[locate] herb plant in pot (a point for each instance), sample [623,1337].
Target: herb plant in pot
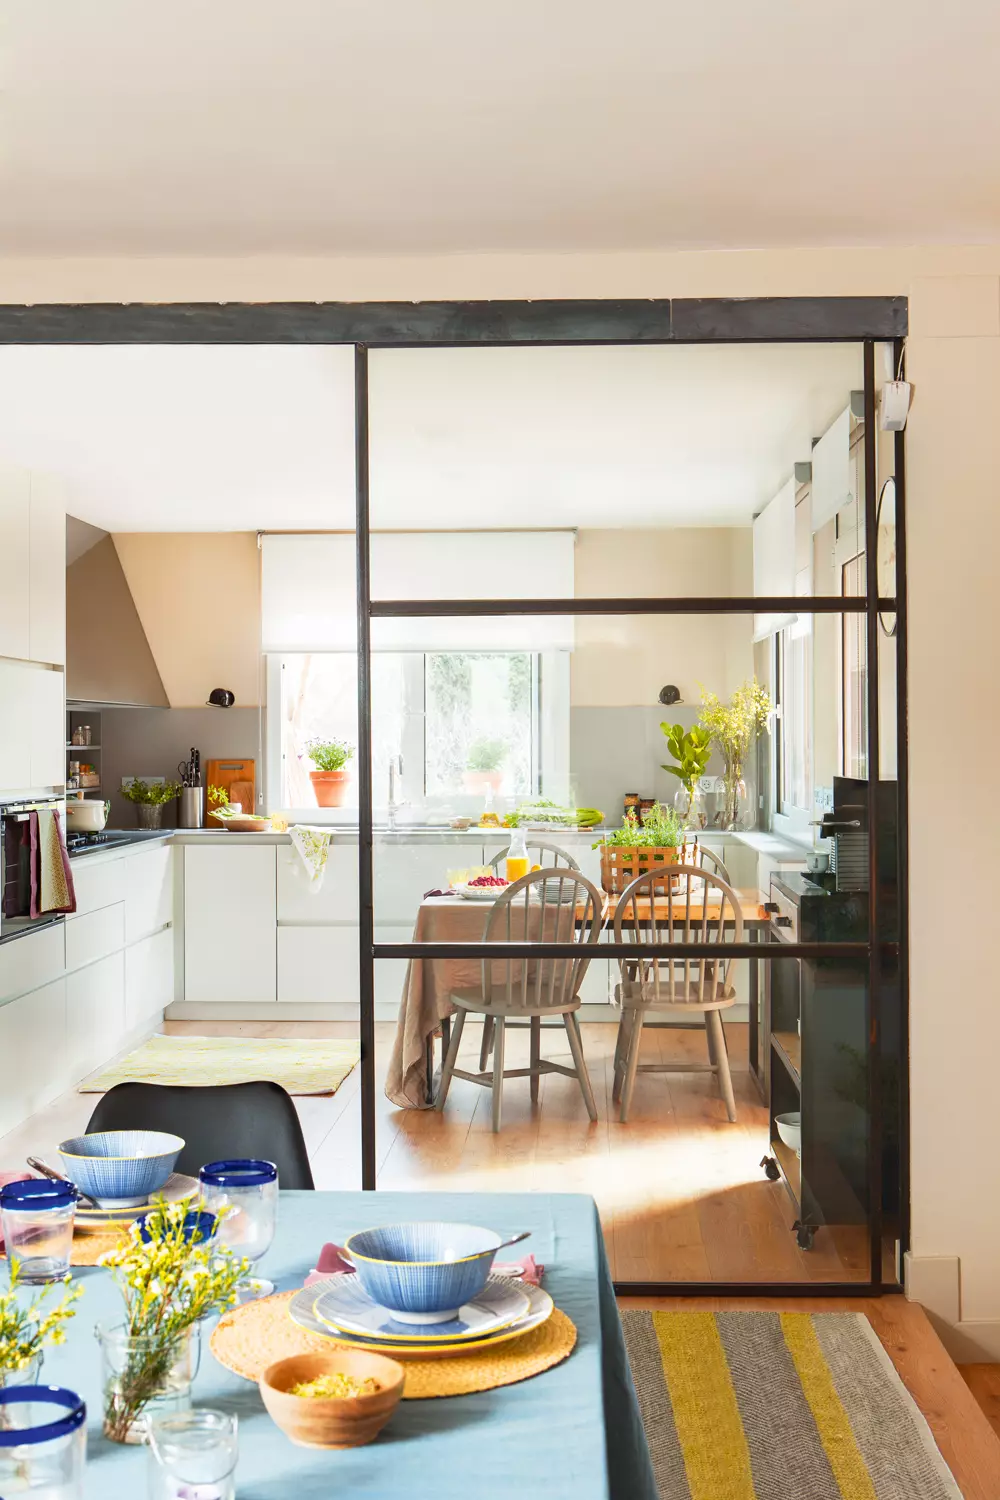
[692,751]
[657,842]
[330,778]
[149,799]
[484,765]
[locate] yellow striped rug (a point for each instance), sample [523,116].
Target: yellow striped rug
[314,1066]
[778,1406]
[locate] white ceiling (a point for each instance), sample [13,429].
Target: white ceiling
[243,438]
[335,126]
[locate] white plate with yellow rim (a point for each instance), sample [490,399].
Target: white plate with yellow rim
[177,1189]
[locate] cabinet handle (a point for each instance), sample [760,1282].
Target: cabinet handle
[771,906]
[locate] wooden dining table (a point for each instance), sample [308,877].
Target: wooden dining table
[426,1005]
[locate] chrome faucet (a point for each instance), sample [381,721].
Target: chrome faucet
[395,773]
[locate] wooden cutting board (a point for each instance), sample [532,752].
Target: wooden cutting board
[238,779]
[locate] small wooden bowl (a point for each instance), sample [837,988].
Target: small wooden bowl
[330,1421]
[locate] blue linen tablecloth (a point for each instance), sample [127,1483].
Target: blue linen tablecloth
[574,1431]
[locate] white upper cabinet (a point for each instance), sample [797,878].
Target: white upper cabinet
[46,572]
[48,727]
[15,488]
[15,726]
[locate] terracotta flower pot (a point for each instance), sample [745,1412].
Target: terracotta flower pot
[330,787]
[478,781]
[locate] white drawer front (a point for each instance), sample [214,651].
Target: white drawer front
[95,936]
[98,882]
[149,978]
[95,1015]
[318,964]
[32,1044]
[337,898]
[32,960]
[149,891]
[230,948]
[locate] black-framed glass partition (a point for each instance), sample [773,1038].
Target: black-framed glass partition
[568,520]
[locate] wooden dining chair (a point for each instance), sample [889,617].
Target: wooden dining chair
[710,861]
[555,857]
[672,986]
[557,906]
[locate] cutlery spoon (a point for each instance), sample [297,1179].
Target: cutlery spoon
[36,1163]
[515,1239]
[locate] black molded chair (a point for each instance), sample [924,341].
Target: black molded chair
[226,1120]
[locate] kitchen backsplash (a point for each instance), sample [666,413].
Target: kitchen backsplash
[152,741]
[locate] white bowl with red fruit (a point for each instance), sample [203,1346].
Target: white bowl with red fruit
[483,888]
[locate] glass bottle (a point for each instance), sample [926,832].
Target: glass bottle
[518,863]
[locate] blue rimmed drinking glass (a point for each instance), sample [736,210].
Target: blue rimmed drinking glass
[248,1191]
[37,1215]
[43,1442]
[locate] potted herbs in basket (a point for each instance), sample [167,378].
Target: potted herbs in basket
[330,778]
[149,799]
[638,847]
[27,1326]
[171,1276]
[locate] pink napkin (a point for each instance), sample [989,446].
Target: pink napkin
[331,1262]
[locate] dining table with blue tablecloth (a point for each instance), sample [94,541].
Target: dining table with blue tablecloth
[573,1431]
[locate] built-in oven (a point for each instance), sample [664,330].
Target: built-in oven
[15,865]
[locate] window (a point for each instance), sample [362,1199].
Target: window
[459,720]
[793,679]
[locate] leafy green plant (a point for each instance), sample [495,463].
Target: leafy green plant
[217,796]
[152,793]
[486,755]
[330,755]
[692,750]
[27,1326]
[661,828]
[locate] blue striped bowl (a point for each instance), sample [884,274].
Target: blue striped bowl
[121,1168]
[423,1273]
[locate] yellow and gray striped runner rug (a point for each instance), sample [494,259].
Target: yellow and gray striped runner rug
[778,1406]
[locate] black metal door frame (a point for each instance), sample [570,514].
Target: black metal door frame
[862,320]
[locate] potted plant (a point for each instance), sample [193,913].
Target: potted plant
[149,799]
[638,847]
[331,775]
[734,726]
[692,751]
[484,764]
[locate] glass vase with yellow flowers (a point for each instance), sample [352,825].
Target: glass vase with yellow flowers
[734,727]
[29,1324]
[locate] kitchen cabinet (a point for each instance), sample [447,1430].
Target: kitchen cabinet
[99,882]
[95,935]
[31,1031]
[95,1015]
[317,965]
[46,573]
[31,713]
[15,726]
[149,978]
[230,923]
[32,961]
[149,891]
[337,898]
[47,727]
[15,490]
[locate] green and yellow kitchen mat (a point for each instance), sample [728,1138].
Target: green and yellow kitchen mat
[778,1406]
[301,1067]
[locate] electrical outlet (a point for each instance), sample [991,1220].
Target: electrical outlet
[709,784]
[823,799]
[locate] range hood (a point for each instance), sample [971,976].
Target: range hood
[108,660]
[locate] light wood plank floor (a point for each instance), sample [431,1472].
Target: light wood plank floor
[958,1411]
[680,1190]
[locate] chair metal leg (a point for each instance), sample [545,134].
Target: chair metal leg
[486,1048]
[580,1062]
[497,1073]
[631,1065]
[536,1055]
[722,1060]
[621,1053]
[450,1061]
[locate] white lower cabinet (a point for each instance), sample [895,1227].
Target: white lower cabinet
[149,978]
[32,960]
[95,1014]
[317,965]
[31,1033]
[149,891]
[230,923]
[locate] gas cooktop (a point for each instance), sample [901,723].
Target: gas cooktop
[90,843]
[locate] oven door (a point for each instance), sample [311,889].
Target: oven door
[15,868]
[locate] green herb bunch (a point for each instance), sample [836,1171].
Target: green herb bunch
[661,828]
[151,792]
[26,1327]
[692,751]
[486,755]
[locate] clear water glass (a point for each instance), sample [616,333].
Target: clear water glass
[192,1456]
[245,1195]
[37,1217]
[43,1442]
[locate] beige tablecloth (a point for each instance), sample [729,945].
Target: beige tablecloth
[431,981]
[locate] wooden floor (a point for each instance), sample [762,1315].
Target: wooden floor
[958,1411]
[680,1190]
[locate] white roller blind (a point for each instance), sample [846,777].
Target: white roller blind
[308,590]
[831,471]
[774,557]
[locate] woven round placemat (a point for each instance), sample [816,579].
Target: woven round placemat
[253,1336]
[88,1248]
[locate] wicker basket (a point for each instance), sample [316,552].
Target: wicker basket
[619,866]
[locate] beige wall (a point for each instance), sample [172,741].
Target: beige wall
[623,660]
[953,451]
[199,602]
